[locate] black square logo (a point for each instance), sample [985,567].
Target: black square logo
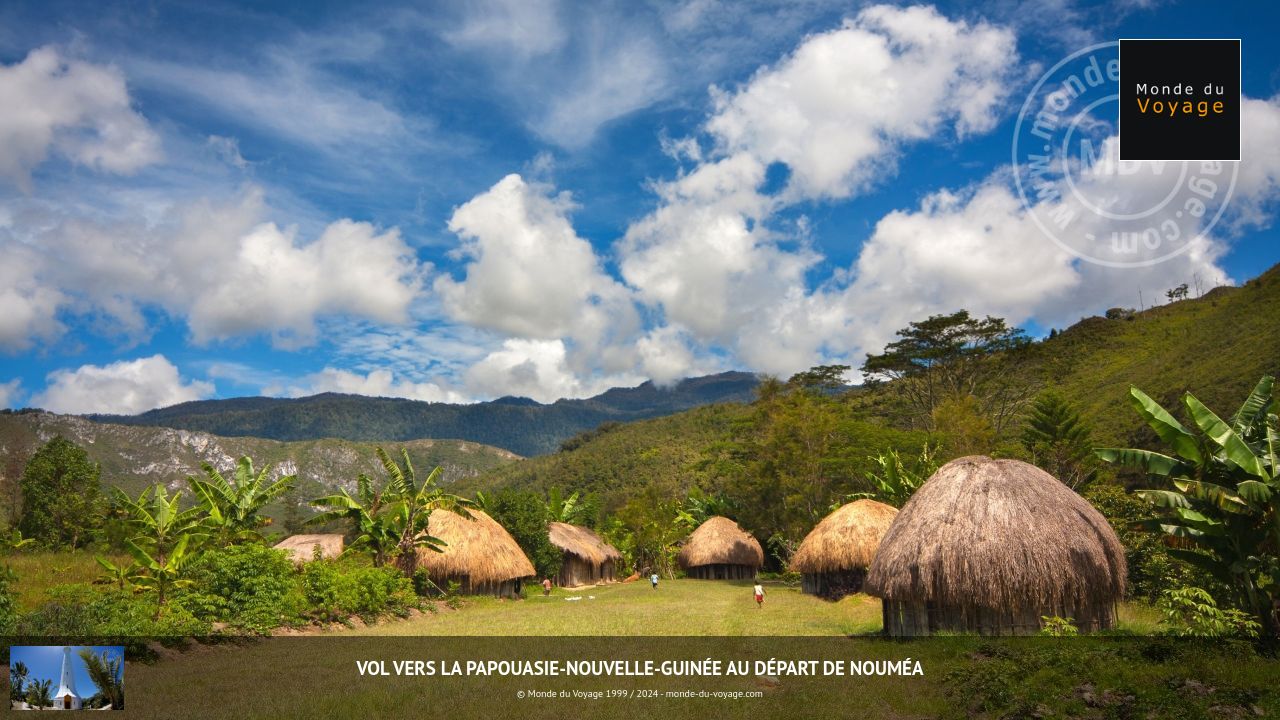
[1179,99]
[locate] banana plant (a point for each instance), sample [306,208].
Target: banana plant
[234,507]
[162,573]
[366,513]
[162,547]
[119,575]
[1223,513]
[413,507]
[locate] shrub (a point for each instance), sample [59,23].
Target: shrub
[80,610]
[336,589]
[1058,627]
[250,587]
[7,611]
[1152,572]
[1192,612]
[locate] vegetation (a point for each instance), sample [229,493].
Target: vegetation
[234,509]
[61,496]
[519,425]
[1059,441]
[525,515]
[107,673]
[1222,514]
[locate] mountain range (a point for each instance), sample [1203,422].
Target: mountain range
[518,425]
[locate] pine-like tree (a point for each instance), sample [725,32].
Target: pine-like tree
[1059,440]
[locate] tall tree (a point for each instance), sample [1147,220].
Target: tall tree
[18,673]
[1059,441]
[950,356]
[61,496]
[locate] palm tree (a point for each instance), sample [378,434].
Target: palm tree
[162,546]
[40,694]
[108,674]
[18,680]
[234,506]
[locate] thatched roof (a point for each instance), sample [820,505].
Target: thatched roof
[479,548]
[998,534]
[845,539]
[301,548]
[582,542]
[719,541]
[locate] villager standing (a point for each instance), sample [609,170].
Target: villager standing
[546,587]
[653,579]
[759,591]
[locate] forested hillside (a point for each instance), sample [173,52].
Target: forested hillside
[519,425]
[780,463]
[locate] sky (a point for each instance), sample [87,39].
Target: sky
[458,202]
[44,662]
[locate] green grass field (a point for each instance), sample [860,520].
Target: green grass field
[677,607]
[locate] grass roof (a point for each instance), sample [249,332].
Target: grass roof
[719,541]
[846,539]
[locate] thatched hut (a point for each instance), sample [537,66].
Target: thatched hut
[720,550]
[835,555]
[991,546]
[587,558]
[481,555]
[302,548]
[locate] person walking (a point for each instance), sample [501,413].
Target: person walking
[759,591]
[653,579]
[546,587]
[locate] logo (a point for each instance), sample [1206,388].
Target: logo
[1068,172]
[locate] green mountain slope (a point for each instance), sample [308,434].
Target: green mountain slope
[519,425]
[133,457]
[1216,346]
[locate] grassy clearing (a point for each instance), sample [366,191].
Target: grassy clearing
[40,571]
[677,607]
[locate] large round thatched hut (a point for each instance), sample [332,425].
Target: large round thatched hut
[302,548]
[587,558]
[720,550]
[991,546]
[481,555]
[835,555]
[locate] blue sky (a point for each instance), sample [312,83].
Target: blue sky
[458,202]
[44,662]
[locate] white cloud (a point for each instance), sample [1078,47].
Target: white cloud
[529,274]
[220,266]
[10,392]
[836,110]
[525,28]
[376,383]
[120,388]
[78,109]
[535,369]
[28,309]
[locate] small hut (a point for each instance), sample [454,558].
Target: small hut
[587,558]
[720,550]
[991,546]
[480,555]
[302,548]
[835,555]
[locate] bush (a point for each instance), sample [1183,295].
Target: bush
[249,587]
[335,589]
[1152,571]
[7,610]
[1192,612]
[85,611]
[1055,626]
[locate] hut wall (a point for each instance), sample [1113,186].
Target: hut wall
[503,589]
[834,585]
[915,619]
[722,571]
[576,571]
